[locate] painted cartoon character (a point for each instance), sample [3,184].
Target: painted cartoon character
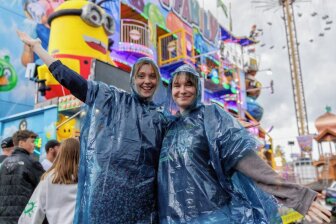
[23,125]
[8,75]
[38,11]
[85,28]
[67,130]
[253,86]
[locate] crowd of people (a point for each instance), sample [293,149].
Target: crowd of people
[140,162]
[29,191]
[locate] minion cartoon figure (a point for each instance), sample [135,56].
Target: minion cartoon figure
[79,33]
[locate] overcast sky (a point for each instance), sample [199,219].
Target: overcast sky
[318,61]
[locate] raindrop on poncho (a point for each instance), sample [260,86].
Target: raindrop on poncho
[120,143]
[197,180]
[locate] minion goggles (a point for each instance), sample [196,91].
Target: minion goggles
[91,14]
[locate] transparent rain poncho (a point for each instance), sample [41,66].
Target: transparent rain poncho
[197,180]
[121,139]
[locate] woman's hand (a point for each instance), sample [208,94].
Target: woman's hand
[318,212]
[25,38]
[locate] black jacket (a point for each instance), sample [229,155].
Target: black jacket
[19,176]
[2,158]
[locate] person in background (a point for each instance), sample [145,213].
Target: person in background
[7,148]
[19,176]
[55,196]
[209,171]
[51,149]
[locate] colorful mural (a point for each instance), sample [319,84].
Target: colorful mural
[85,29]
[8,76]
[38,12]
[195,16]
[17,92]
[41,121]
[21,96]
[112,8]
[118,32]
[183,13]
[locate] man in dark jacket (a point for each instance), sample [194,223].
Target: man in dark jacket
[19,175]
[7,148]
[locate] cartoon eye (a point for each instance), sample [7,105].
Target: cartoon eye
[92,15]
[109,25]
[7,72]
[95,17]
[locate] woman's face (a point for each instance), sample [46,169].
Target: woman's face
[146,81]
[183,91]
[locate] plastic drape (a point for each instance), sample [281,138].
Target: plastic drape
[120,143]
[197,180]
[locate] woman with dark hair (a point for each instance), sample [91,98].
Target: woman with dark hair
[209,171]
[55,196]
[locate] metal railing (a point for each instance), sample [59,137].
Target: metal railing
[175,46]
[134,32]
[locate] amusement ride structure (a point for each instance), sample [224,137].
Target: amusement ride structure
[294,59]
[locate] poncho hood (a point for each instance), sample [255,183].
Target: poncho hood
[134,90]
[186,68]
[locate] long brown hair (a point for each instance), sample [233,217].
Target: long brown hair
[65,166]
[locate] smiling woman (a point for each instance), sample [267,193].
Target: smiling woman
[145,80]
[120,143]
[209,171]
[184,90]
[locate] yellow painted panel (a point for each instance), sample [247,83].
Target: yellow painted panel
[291,217]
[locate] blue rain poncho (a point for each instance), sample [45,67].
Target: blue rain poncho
[197,180]
[120,144]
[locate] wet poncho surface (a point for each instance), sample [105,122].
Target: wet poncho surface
[197,180]
[120,144]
